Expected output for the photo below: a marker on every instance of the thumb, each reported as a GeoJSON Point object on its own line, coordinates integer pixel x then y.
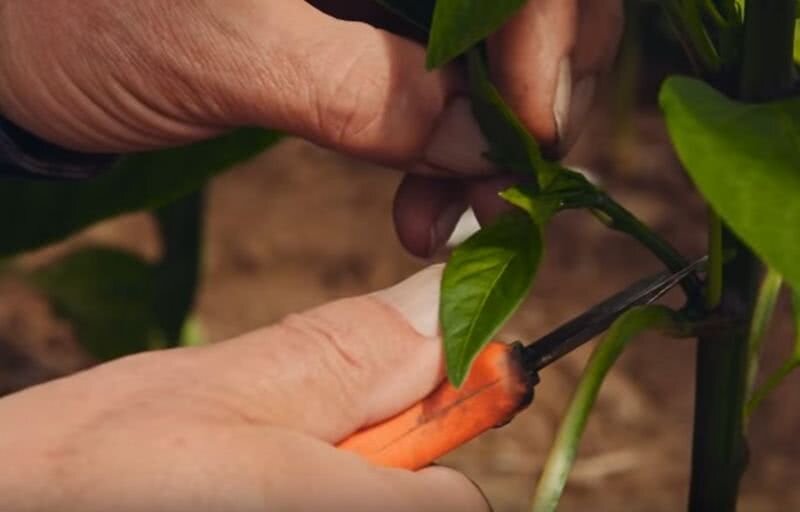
{"type": "Point", "coordinates": [354, 88]}
{"type": "Point", "coordinates": [335, 369]}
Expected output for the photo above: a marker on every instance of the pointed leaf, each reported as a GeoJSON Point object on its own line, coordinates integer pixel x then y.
{"type": "Point", "coordinates": [511, 145]}
{"type": "Point", "coordinates": [485, 280]}
{"type": "Point", "coordinates": [745, 159]}
{"type": "Point", "coordinates": [458, 25]}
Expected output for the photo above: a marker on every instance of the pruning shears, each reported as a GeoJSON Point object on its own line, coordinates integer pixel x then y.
{"type": "Point", "coordinates": [499, 386]}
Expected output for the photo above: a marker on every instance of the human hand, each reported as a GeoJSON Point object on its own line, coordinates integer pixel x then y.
{"type": "Point", "coordinates": [246, 425]}
{"type": "Point", "coordinates": [117, 76]}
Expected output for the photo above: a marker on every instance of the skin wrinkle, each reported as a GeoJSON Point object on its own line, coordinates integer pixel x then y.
{"type": "Point", "coordinates": [355, 98]}
{"type": "Point", "coordinates": [329, 343]}
{"type": "Point", "coordinates": [183, 70]}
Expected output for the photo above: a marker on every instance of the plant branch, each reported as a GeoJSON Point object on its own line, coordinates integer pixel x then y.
{"type": "Point", "coordinates": [565, 447]}
{"type": "Point", "coordinates": [616, 217]}
{"type": "Point", "coordinates": [772, 382]}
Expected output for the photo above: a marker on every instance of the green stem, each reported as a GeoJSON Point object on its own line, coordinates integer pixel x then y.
{"type": "Point", "coordinates": [687, 21]}
{"type": "Point", "coordinates": [769, 386]}
{"type": "Point", "coordinates": [178, 272]}
{"type": "Point", "coordinates": [762, 314]}
{"type": "Point", "coordinates": [718, 450]}
{"type": "Point", "coordinates": [565, 447]}
{"type": "Point", "coordinates": [618, 218]}
{"type": "Point", "coordinates": [768, 63]}
{"type": "Point", "coordinates": [718, 454]}
{"type": "Point", "coordinates": [715, 261]}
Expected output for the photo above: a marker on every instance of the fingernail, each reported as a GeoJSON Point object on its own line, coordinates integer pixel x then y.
{"type": "Point", "coordinates": [563, 97]}
{"type": "Point", "coordinates": [445, 224]}
{"type": "Point", "coordinates": [417, 299]}
{"type": "Point", "coordinates": [467, 226]}
{"type": "Point", "coordinates": [582, 100]}
{"type": "Point", "coordinates": [457, 143]}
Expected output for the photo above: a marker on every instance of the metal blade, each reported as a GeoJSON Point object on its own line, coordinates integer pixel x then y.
{"type": "Point", "coordinates": [571, 335]}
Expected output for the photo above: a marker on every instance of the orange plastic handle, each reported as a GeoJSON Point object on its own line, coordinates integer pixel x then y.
{"type": "Point", "coordinates": [497, 388]}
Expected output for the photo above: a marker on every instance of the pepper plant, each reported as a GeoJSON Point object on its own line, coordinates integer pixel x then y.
{"type": "Point", "coordinates": [735, 124]}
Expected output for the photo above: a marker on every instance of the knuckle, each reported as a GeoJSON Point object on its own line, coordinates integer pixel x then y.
{"type": "Point", "coordinates": [352, 102]}
{"type": "Point", "coordinates": [342, 360]}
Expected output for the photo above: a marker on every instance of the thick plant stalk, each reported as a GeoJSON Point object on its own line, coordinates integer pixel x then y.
{"type": "Point", "coordinates": [718, 450]}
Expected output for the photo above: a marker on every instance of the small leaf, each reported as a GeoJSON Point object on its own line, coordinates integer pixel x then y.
{"type": "Point", "coordinates": [565, 447]}
{"type": "Point", "coordinates": [458, 25]}
{"type": "Point", "coordinates": [484, 282]}
{"type": "Point", "coordinates": [33, 214]}
{"type": "Point", "coordinates": [745, 159]}
{"type": "Point", "coordinates": [568, 189]}
{"type": "Point", "coordinates": [511, 144]}
{"type": "Point", "coordinates": [107, 296]}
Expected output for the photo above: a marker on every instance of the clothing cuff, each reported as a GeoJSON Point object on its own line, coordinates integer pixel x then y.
{"type": "Point", "coordinates": [24, 155]}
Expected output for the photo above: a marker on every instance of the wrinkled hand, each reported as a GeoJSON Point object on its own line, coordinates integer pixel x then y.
{"type": "Point", "coordinates": [243, 425]}
{"type": "Point", "coordinates": [115, 75]}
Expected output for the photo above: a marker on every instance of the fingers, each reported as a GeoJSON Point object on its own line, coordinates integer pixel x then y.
{"type": "Point", "coordinates": [344, 482]}
{"type": "Point", "coordinates": [547, 59]}
{"type": "Point", "coordinates": [358, 89]}
{"type": "Point", "coordinates": [332, 370]}
{"type": "Point", "coordinates": [426, 210]}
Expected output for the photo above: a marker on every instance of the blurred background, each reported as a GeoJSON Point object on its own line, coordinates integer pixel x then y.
{"type": "Point", "coordinates": [300, 225]}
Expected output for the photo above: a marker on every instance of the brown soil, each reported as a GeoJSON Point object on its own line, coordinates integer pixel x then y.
{"type": "Point", "coordinates": [301, 226]}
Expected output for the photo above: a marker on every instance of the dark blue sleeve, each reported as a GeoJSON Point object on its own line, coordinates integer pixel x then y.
{"type": "Point", "coordinates": [26, 156]}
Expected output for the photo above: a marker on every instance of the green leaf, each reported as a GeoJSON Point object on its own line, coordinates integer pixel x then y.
{"type": "Point", "coordinates": [511, 144]}
{"type": "Point", "coordinates": [458, 25]}
{"type": "Point", "coordinates": [485, 280]}
{"type": "Point", "coordinates": [745, 159]}
{"type": "Point", "coordinates": [107, 295]}
{"type": "Point", "coordinates": [417, 12]}
{"type": "Point", "coordinates": [568, 189]}
{"type": "Point", "coordinates": [33, 214]}
{"type": "Point", "coordinates": [565, 448]}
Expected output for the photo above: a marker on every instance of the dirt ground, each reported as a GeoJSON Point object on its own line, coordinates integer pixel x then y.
{"type": "Point", "coordinates": [300, 226]}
